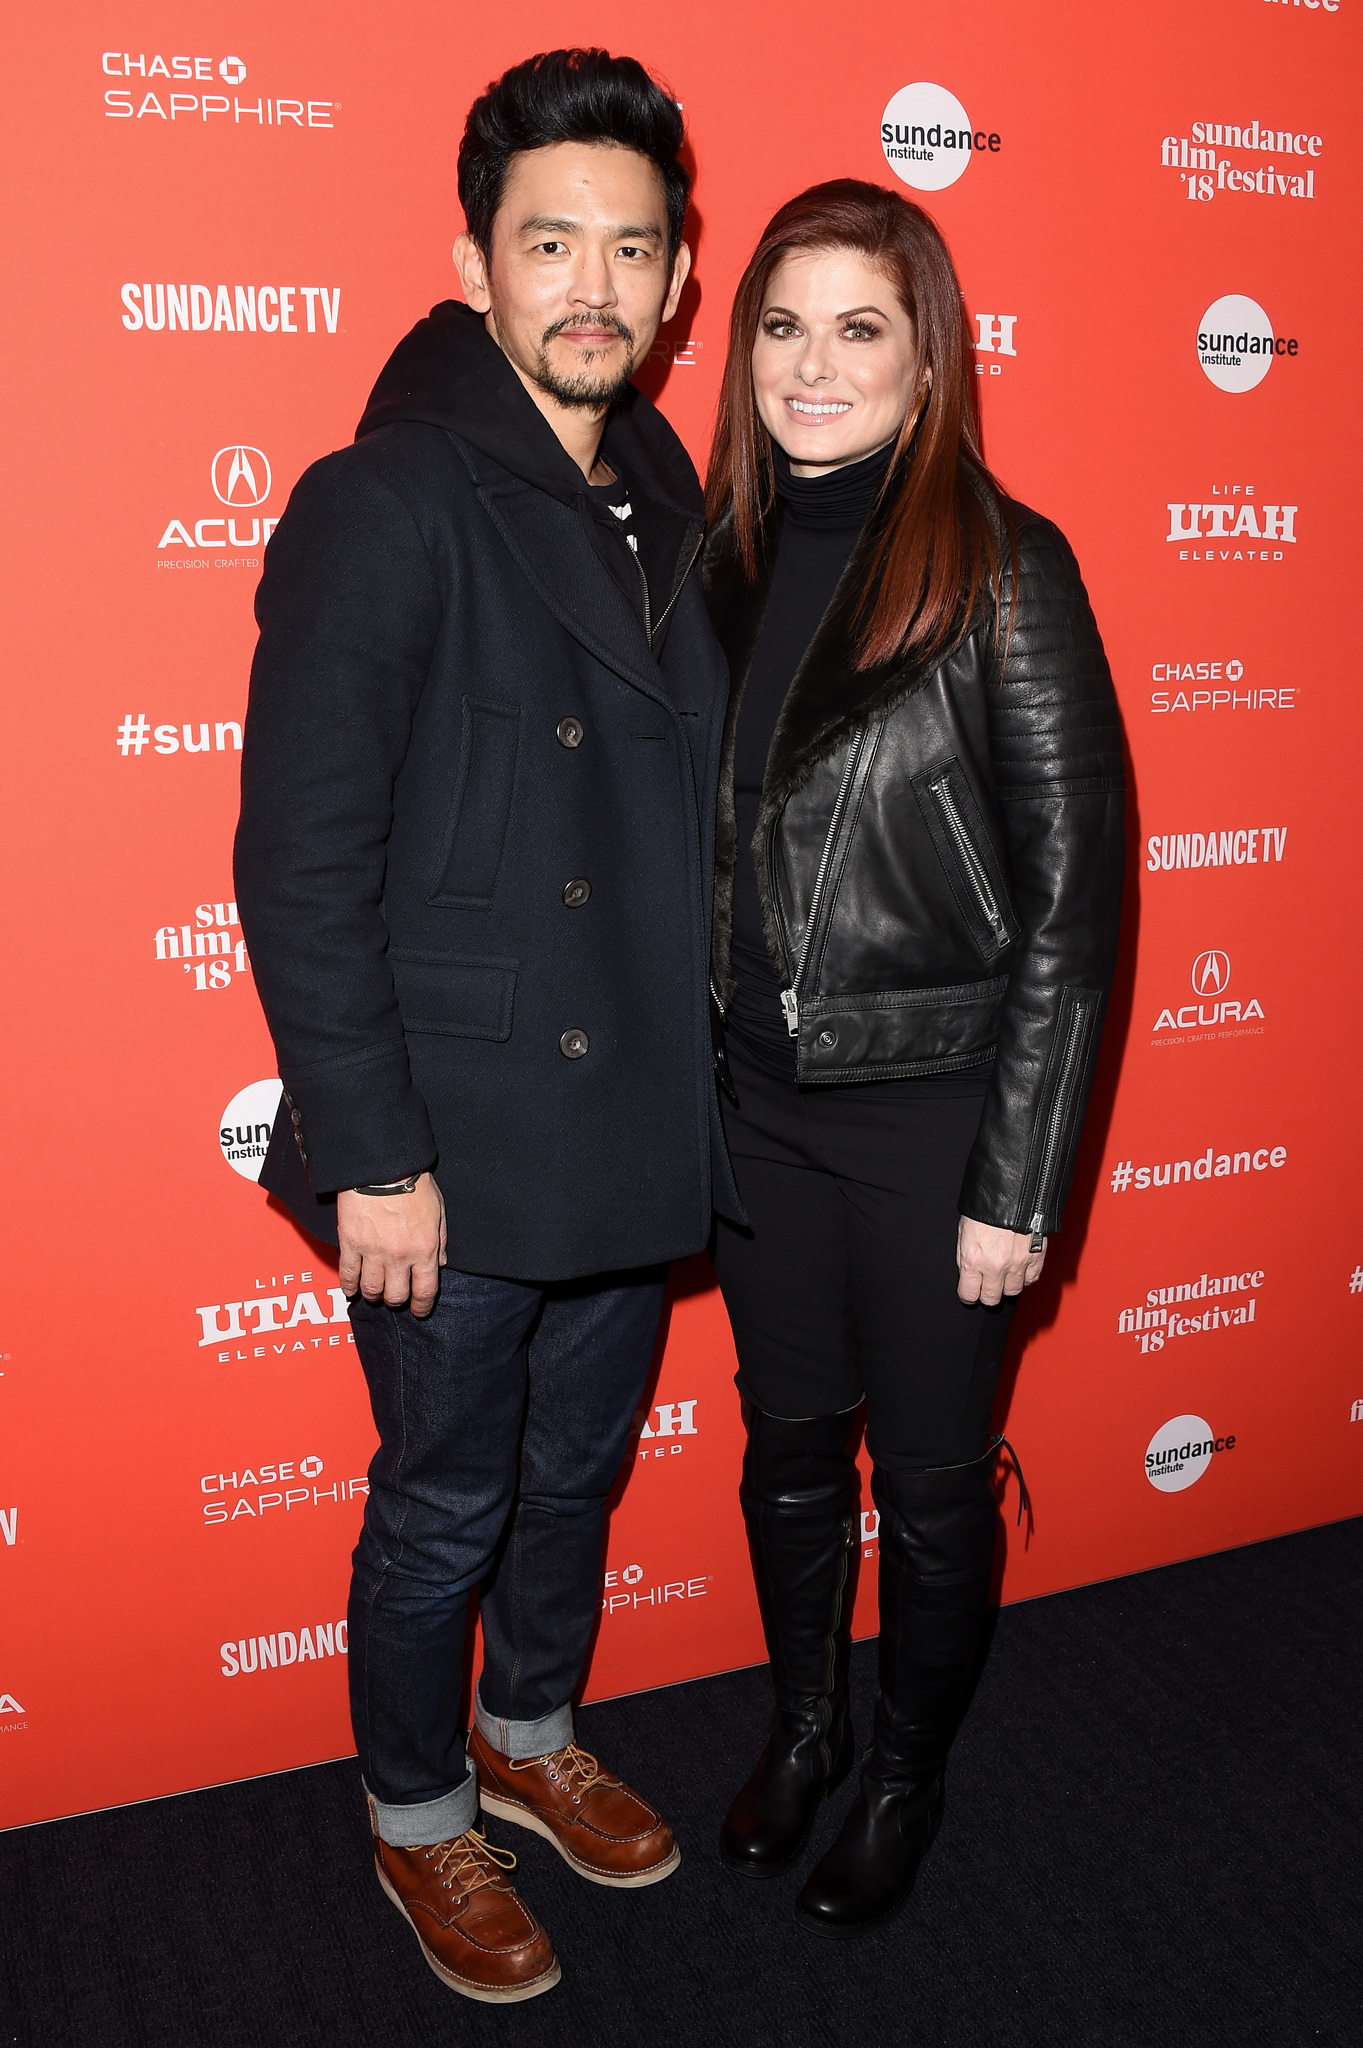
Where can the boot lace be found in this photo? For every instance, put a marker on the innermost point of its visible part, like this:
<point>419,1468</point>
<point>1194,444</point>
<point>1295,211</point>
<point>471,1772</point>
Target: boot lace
<point>1001,1443</point>
<point>572,1768</point>
<point>469,1862</point>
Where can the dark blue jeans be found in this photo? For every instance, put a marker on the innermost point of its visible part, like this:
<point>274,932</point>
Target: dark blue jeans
<point>503,1419</point>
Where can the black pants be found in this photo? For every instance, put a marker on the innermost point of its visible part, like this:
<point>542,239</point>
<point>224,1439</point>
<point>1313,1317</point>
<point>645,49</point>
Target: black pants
<point>845,1286</point>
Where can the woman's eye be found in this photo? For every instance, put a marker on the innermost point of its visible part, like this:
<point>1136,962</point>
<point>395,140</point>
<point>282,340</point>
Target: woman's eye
<point>860,330</point>
<point>781,330</point>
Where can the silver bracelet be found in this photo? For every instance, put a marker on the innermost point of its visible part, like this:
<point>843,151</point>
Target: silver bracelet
<point>388,1187</point>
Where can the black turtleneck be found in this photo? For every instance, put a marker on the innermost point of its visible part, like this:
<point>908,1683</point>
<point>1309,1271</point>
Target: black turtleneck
<point>822,518</point>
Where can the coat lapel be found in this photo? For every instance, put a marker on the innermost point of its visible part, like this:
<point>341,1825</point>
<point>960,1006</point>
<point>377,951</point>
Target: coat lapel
<point>558,557</point>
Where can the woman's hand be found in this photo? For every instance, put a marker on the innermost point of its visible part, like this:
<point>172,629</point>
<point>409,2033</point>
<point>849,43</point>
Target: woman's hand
<point>995,1262</point>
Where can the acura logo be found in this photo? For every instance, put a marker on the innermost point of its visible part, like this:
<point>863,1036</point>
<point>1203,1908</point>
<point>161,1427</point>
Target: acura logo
<point>1211,974</point>
<point>241,476</point>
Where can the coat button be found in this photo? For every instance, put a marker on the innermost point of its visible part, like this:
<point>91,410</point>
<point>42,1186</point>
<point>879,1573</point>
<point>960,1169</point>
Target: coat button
<point>828,1038</point>
<point>569,732</point>
<point>576,892</point>
<point>573,1044</point>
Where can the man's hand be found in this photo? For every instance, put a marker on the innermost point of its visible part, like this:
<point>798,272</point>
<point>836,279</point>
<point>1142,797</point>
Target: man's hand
<point>995,1262</point>
<point>393,1246</point>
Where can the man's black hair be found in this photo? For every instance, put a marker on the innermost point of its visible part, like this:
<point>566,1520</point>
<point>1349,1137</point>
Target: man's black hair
<point>569,96</point>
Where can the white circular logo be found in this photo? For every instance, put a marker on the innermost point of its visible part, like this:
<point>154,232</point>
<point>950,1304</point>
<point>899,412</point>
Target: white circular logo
<point>632,1574</point>
<point>925,134</point>
<point>231,71</point>
<point>241,476</point>
<point>1235,343</point>
<point>1179,1453</point>
<point>245,1125</point>
<point>1211,974</point>
<point>310,1467</point>
<point>1234,671</point>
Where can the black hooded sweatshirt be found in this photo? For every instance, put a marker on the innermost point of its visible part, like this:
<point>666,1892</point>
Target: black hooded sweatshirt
<point>468,702</point>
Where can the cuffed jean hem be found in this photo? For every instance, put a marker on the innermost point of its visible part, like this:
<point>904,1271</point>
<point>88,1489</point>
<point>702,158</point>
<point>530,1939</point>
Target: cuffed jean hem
<point>430,1820</point>
<point>521,1739</point>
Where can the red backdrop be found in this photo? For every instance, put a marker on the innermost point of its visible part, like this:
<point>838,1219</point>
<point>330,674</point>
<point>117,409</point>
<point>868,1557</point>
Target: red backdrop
<point>183,1431</point>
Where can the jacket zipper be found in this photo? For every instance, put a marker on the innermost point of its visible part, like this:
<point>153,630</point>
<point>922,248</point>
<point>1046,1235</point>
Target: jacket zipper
<point>648,629</point>
<point>969,859</point>
<point>1059,1105</point>
<point>790,997</point>
<point>681,582</point>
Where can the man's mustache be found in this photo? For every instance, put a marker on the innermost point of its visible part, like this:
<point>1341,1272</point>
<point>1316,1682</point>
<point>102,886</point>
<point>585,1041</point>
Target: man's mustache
<point>616,326</point>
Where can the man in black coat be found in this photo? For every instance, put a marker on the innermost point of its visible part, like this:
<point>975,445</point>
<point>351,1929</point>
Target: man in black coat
<point>474,867</point>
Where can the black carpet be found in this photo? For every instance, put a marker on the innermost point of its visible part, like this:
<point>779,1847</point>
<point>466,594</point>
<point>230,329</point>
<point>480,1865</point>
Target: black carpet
<point>1152,1836</point>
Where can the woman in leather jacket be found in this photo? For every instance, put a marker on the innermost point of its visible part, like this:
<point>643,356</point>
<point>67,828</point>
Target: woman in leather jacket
<point>919,882</point>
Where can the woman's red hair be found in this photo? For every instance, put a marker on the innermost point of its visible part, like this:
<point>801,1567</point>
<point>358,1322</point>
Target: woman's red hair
<point>937,551</point>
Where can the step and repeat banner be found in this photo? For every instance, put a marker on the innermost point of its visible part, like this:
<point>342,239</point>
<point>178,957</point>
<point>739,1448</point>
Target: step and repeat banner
<point>223,217</point>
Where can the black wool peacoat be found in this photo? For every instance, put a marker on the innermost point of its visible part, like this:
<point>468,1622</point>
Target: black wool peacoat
<point>475,857</point>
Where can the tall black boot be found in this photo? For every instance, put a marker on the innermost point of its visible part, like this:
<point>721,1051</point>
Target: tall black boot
<point>937,1531</point>
<point>799,1503</point>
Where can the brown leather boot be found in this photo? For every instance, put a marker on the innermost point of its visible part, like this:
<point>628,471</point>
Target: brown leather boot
<point>474,1932</point>
<point>608,1833</point>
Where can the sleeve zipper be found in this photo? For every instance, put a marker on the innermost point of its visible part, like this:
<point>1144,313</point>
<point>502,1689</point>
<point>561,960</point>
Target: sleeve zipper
<point>1074,1037</point>
<point>969,858</point>
<point>790,997</point>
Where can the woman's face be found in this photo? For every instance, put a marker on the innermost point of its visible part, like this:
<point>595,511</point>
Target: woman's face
<point>835,362</point>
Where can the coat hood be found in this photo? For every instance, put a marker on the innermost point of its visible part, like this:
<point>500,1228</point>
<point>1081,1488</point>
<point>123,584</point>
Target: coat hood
<point>448,372</point>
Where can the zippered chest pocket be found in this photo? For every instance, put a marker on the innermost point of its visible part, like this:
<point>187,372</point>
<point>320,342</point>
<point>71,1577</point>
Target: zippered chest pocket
<point>958,832</point>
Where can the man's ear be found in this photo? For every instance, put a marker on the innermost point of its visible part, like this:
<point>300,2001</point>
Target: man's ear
<point>681,270</point>
<point>471,264</point>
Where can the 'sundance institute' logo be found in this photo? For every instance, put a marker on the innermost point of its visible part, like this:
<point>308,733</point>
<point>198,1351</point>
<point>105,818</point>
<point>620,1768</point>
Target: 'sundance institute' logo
<point>1236,345</point>
<point>245,1125</point>
<point>1180,1452</point>
<point>928,138</point>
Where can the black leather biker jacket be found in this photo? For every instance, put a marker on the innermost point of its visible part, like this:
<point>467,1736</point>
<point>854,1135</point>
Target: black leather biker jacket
<point>940,852</point>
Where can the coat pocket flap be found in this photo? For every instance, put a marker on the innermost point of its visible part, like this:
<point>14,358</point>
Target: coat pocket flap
<point>453,996</point>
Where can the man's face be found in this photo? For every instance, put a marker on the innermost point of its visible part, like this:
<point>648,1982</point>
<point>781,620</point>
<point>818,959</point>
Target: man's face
<point>577,281</point>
